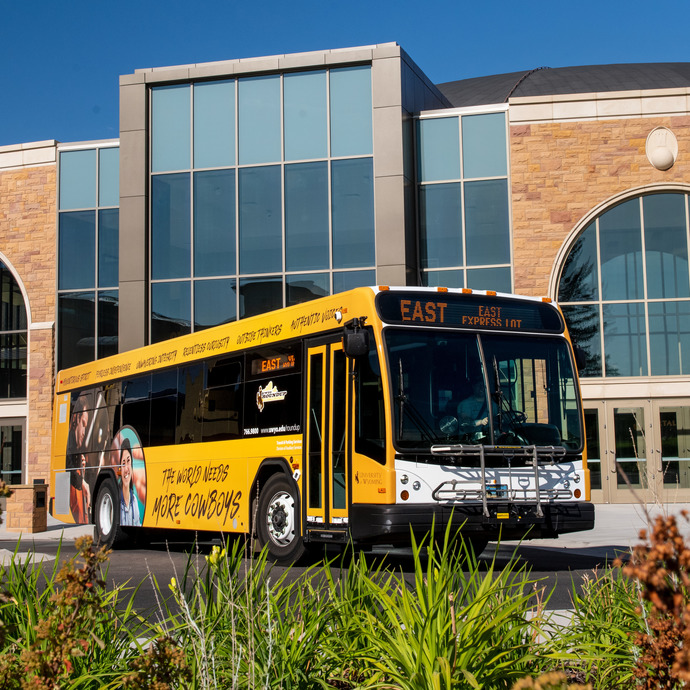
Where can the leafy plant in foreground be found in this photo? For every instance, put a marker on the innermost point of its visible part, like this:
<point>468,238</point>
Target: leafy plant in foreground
<point>453,627</point>
<point>70,631</point>
<point>597,643</point>
<point>661,566</point>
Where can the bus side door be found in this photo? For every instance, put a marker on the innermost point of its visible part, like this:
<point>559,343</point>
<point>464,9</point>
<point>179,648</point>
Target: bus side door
<point>327,439</point>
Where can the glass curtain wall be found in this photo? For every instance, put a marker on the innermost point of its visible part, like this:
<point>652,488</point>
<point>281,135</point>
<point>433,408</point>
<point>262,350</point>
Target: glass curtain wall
<point>464,238</point>
<point>262,195</point>
<point>625,289</point>
<point>88,248</point>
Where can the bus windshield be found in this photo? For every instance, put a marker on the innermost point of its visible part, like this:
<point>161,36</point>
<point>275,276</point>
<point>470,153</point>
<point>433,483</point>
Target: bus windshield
<point>468,388</point>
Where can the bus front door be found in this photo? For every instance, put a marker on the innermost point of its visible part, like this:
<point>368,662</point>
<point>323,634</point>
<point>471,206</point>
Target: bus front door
<point>326,481</point>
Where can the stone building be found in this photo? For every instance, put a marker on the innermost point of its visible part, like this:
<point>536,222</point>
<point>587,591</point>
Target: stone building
<point>241,186</point>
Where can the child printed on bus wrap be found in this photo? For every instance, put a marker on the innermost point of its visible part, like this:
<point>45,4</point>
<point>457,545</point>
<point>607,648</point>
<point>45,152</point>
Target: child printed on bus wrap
<point>132,483</point>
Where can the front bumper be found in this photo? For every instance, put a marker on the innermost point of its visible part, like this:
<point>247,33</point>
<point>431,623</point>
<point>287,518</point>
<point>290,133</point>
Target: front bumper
<point>392,524</point>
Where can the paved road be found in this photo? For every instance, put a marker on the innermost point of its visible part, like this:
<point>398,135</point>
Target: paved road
<point>558,563</point>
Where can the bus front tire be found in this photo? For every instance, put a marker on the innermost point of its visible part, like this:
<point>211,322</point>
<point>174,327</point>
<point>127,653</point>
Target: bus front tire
<point>278,520</point>
<point>107,514</point>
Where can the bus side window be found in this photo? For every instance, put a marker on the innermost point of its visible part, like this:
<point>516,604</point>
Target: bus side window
<point>190,392</point>
<point>222,400</point>
<point>163,407</point>
<point>370,429</point>
<point>136,405</point>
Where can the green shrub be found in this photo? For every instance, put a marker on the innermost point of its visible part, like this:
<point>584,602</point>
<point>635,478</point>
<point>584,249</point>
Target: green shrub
<point>63,629</point>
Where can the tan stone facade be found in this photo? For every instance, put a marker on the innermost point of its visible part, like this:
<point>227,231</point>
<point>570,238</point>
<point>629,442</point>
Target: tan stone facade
<point>28,247</point>
<point>561,171</point>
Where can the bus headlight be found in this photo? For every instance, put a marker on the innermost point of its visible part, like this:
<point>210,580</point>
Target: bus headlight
<point>417,486</point>
<point>404,479</point>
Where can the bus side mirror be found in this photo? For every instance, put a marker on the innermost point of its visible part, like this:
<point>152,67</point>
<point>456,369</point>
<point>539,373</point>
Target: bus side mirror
<point>580,357</point>
<point>355,338</point>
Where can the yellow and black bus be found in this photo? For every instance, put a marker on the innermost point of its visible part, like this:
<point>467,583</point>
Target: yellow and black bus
<point>355,417</point>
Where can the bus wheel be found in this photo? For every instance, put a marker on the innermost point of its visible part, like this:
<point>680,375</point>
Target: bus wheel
<point>278,521</point>
<point>107,514</point>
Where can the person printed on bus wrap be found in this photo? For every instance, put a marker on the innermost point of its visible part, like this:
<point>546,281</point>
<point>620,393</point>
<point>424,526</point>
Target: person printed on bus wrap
<point>77,448</point>
<point>129,504</point>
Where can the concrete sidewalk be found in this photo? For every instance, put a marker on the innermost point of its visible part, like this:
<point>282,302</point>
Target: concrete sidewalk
<point>56,530</point>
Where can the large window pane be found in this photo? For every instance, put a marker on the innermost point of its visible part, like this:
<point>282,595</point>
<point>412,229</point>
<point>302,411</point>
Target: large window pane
<point>12,308</point>
<point>214,124</point>
<point>306,287</point>
<point>13,365</point>
<point>77,250</point>
<point>76,318</point>
<point>669,338</point>
<point>261,224</point>
<point>306,216</point>
<point>487,233</point>
<point>484,145</point>
<point>259,295</point>
<point>214,303</point>
<point>214,223</point>
<point>108,247</point>
<point>625,340</point>
<point>170,209</point>
<point>439,149</point>
<point>351,112</point>
<point>170,128</point>
<point>584,328</point>
<point>78,175</point>
<point>620,237</point>
<point>259,120</point>
<point>353,213</point>
<point>109,177</point>
<point>108,307</point>
<point>11,453</point>
<point>580,278</point>
<point>305,114</point>
<point>497,279</point>
<point>349,280</point>
<point>170,310</point>
<point>666,246</point>
<point>451,279</point>
<point>440,210</point>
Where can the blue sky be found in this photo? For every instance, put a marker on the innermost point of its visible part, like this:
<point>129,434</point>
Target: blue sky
<point>61,61</point>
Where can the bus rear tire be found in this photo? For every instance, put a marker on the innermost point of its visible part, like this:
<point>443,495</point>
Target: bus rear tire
<point>107,514</point>
<point>278,520</point>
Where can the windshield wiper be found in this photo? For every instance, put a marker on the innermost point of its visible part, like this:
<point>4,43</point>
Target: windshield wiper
<point>513,418</point>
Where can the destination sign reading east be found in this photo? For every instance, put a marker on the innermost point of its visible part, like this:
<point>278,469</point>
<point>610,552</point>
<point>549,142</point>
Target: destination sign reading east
<point>468,311</point>
<point>270,364</point>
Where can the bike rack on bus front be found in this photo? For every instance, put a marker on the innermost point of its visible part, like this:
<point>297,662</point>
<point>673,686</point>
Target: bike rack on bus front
<point>509,452</point>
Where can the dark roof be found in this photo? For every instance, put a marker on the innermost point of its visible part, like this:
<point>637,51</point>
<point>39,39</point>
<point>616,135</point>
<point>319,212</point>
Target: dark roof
<point>545,81</point>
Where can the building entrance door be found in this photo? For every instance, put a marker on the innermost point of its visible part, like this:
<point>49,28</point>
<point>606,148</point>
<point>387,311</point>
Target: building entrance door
<point>672,448</point>
<point>638,450</point>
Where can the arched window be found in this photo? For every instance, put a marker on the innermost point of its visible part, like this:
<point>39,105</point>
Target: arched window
<point>13,334</point>
<point>625,288</point>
